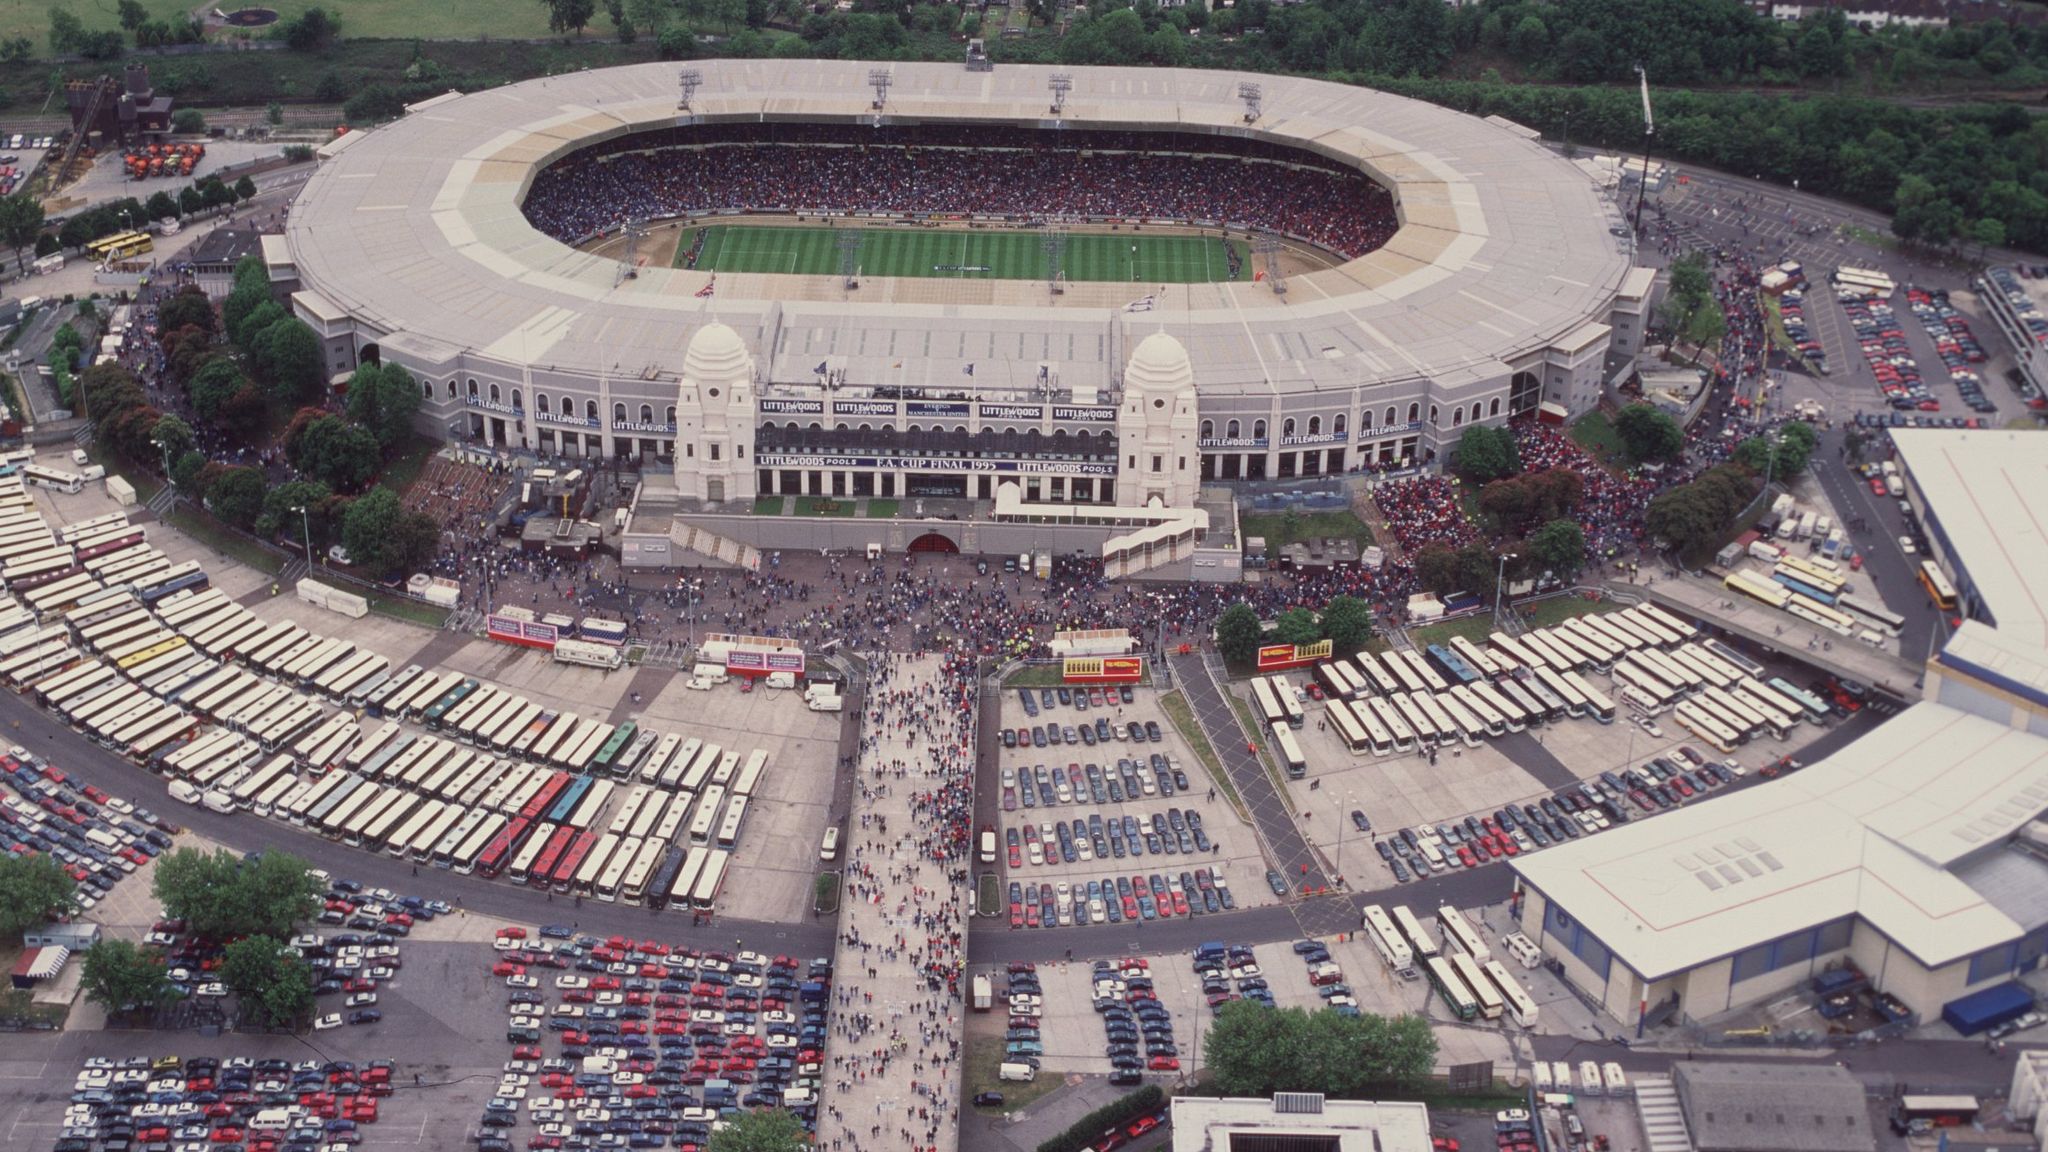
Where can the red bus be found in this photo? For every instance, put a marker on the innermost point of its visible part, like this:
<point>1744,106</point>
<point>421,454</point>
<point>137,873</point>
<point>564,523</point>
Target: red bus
<point>107,547</point>
<point>565,872</point>
<point>546,797</point>
<point>499,851</point>
<point>544,865</point>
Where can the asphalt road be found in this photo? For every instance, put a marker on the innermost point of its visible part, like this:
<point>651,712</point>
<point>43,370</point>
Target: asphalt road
<point>48,736</point>
<point>1894,574</point>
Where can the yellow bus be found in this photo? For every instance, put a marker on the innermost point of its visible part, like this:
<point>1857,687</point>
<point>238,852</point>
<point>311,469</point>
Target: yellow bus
<point>119,246</point>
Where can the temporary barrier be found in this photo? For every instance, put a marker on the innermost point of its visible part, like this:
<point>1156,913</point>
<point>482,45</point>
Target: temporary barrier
<point>334,599</point>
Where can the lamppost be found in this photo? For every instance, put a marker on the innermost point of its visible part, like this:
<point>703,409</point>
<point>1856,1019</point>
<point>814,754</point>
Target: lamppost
<point>1500,578</point>
<point>306,523</point>
<point>164,447</point>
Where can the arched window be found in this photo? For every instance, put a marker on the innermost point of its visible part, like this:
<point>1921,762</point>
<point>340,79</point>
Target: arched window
<point>516,402</point>
<point>1287,426</point>
<point>1458,416</point>
<point>1208,429</point>
<point>1389,422</point>
<point>1414,413</point>
<point>1433,418</point>
<point>647,413</point>
<point>1233,430</point>
<point>1337,423</point>
<point>1493,409</point>
<point>1315,425</point>
<point>426,389</point>
<point>494,394</point>
<point>472,388</point>
<point>672,417</point>
<point>843,428</point>
<point>540,403</point>
<point>451,387</point>
<point>1258,429</point>
<point>618,413</point>
<point>590,411</point>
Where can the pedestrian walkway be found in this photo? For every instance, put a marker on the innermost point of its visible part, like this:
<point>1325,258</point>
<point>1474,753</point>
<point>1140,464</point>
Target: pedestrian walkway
<point>895,1047</point>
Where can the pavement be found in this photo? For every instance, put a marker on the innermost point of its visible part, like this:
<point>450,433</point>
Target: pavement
<point>896,1039</point>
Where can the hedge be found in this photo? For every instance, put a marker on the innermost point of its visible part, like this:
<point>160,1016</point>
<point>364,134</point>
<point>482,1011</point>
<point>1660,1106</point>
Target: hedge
<point>1144,1101</point>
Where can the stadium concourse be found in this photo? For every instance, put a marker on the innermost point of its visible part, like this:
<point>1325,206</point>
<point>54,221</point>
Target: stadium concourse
<point>1014,175</point>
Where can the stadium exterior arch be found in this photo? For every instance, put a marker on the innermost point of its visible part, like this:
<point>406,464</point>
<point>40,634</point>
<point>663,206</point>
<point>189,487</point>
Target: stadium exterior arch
<point>1507,284</point>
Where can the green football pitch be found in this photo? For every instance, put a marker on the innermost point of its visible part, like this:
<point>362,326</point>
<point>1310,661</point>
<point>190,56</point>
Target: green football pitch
<point>977,255</point>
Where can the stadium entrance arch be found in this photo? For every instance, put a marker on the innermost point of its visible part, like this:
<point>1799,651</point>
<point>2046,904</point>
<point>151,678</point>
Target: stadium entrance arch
<point>935,542</point>
<point>1524,391</point>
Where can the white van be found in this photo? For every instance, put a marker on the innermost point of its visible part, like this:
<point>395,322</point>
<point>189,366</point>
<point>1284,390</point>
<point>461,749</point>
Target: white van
<point>1023,1072</point>
<point>784,680</point>
<point>1523,949</point>
<point>829,850</point>
<point>716,673</point>
<point>271,1120</point>
<point>825,704</point>
<point>185,792</point>
<point>988,845</point>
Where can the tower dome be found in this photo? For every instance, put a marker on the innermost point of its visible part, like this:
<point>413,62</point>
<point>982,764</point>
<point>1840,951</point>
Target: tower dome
<point>716,352</point>
<point>1159,362</point>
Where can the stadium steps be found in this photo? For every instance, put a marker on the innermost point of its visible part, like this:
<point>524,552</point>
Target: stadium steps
<point>1663,1122</point>
<point>720,551</point>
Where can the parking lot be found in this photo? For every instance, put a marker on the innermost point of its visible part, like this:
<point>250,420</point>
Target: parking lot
<point>1107,818</point>
<point>1510,795</point>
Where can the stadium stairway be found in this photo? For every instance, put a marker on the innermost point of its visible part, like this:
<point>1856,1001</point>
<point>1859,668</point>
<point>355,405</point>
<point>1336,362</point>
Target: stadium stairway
<point>1663,1121</point>
<point>720,551</point>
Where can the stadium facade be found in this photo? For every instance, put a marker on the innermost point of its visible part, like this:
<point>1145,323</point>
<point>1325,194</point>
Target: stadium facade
<point>1507,286</point>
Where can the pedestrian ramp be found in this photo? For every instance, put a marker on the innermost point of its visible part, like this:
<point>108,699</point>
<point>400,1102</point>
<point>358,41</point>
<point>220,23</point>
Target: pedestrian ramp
<point>1662,1119</point>
<point>708,545</point>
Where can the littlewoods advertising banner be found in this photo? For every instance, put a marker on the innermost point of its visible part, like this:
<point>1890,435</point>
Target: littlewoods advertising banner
<point>1273,657</point>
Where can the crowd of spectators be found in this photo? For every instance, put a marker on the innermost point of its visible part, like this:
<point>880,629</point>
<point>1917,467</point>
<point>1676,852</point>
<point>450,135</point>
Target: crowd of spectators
<point>582,198</point>
<point>1425,510</point>
<point>1611,510</point>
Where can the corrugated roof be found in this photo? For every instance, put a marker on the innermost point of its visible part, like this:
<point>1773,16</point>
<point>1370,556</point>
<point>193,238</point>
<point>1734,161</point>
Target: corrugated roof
<point>1870,831</point>
<point>1773,1107</point>
<point>1507,247</point>
<point>1984,488</point>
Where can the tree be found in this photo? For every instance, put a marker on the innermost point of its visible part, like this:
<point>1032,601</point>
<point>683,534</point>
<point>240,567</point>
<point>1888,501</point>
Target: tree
<point>188,306</point>
<point>1238,634</point>
<point>246,965</point>
<point>288,360</point>
<point>760,1130</point>
<point>245,189</point>
<point>1257,1050</point>
<point>344,456</point>
<point>1648,433</point>
<point>369,527</point>
<point>288,998</point>
<point>188,121</point>
<point>273,113</point>
<point>1347,624</point>
<point>569,15</point>
<point>417,542</point>
<point>120,977</point>
<point>252,323</point>
<point>1559,546</point>
<point>314,30</point>
<point>237,496</point>
<point>1297,626</point>
<point>222,895</point>
<point>21,223</point>
<point>384,399</point>
<point>173,436</point>
<point>185,469</point>
<point>210,388</point>
<point>1530,39</point>
<point>1484,454</point>
<point>32,889</point>
<point>67,33</point>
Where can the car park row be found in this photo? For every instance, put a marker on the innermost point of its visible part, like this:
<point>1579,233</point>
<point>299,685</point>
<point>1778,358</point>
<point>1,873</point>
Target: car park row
<point>1132,1014</point>
<point>203,1104</point>
<point>1953,342</point>
<point>656,1043</point>
<point>96,838</point>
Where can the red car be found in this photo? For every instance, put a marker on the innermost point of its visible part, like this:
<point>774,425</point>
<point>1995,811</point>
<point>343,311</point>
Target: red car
<point>508,968</point>
<point>527,1052</point>
<point>1163,1064</point>
<point>1141,1125</point>
<point>511,932</point>
<point>228,1135</point>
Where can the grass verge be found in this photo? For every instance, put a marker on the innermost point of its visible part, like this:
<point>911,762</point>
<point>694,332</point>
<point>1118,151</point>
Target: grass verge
<point>1558,609</point>
<point>1473,628</point>
<point>1251,724</point>
<point>1274,526</point>
<point>883,508</point>
<point>825,893</point>
<point>989,895</point>
<point>824,506</point>
<point>768,505</point>
<point>1176,708</point>
<point>1596,434</point>
<point>409,610</point>
<point>984,1059</point>
<point>223,540</point>
<point>406,467</point>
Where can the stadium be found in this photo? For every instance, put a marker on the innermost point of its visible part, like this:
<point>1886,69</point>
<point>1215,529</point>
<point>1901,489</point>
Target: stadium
<point>1057,302</point>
